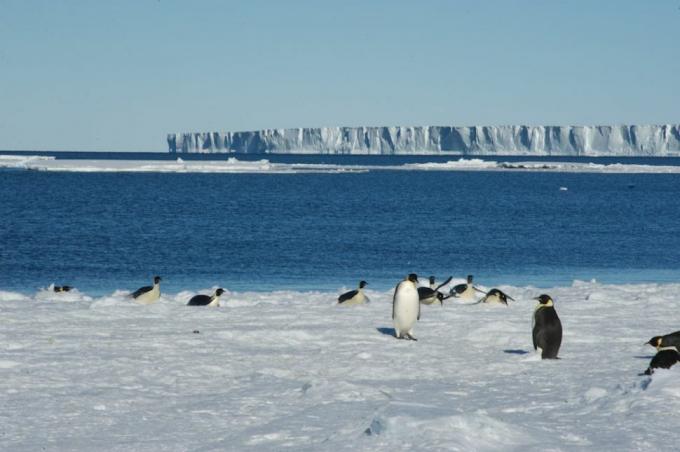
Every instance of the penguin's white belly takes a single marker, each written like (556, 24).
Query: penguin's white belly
(493, 299)
(405, 308)
(468, 294)
(215, 303)
(150, 297)
(429, 301)
(359, 298)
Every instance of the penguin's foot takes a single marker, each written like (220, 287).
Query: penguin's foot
(410, 337)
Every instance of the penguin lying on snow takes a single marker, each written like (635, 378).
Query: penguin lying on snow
(668, 340)
(547, 328)
(406, 307)
(429, 295)
(207, 300)
(465, 290)
(148, 294)
(496, 296)
(353, 297)
(62, 288)
(665, 358)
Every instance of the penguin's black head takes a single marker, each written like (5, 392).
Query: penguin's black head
(219, 291)
(413, 278)
(156, 279)
(431, 279)
(469, 279)
(440, 297)
(656, 341)
(362, 284)
(543, 299)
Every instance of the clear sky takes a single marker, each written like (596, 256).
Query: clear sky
(120, 75)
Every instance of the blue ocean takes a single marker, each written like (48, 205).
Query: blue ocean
(322, 231)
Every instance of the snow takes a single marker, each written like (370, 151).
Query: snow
(233, 165)
(293, 370)
(629, 140)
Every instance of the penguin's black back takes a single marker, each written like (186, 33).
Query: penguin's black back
(671, 340)
(200, 300)
(141, 290)
(547, 333)
(664, 359)
(347, 295)
(459, 288)
(425, 292)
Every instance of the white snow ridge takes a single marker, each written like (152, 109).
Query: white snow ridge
(295, 371)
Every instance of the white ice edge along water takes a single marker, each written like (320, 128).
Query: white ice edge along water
(292, 370)
(233, 165)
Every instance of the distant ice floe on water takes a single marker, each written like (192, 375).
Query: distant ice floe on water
(233, 165)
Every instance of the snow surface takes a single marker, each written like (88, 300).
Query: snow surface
(630, 140)
(233, 165)
(295, 371)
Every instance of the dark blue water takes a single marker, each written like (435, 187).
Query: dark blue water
(105, 231)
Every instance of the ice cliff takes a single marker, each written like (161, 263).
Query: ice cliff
(621, 140)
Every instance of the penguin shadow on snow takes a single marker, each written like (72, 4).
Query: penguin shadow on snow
(516, 351)
(386, 331)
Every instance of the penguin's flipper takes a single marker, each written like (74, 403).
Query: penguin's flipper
(479, 290)
(444, 283)
(418, 318)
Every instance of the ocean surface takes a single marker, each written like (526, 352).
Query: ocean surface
(324, 231)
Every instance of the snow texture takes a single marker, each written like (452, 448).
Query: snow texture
(295, 371)
(233, 165)
(623, 140)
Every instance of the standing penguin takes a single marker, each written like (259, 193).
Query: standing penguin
(205, 300)
(465, 290)
(495, 296)
(353, 297)
(148, 294)
(429, 295)
(547, 328)
(406, 307)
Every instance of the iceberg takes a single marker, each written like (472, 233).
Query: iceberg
(618, 140)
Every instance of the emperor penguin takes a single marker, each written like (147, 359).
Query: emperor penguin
(429, 295)
(148, 294)
(353, 297)
(496, 296)
(206, 300)
(62, 288)
(665, 358)
(547, 328)
(465, 290)
(668, 340)
(406, 307)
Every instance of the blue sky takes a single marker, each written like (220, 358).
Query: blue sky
(84, 75)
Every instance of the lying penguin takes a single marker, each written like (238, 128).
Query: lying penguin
(496, 296)
(59, 289)
(429, 295)
(668, 340)
(207, 300)
(466, 290)
(665, 358)
(353, 297)
(148, 294)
